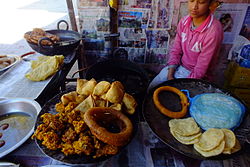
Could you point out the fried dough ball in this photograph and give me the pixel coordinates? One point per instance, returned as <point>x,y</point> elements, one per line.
<point>52,121</point>
<point>69,136</point>
<point>60,107</point>
<point>70,106</point>
<point>40,131</point>
<point>83,145</point>
<point>67,148</point>
<point>79,126</point>
<point>51,140</point>
<point>73,115</point>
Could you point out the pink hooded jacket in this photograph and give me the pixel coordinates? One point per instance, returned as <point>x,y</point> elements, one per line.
<point>197,50</point>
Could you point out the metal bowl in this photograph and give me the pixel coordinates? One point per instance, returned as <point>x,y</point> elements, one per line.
<point>17,121</point>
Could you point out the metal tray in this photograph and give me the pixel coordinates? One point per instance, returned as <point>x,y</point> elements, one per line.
<point>49,107</point>
<point>159,122</point>
<point>17,121</point>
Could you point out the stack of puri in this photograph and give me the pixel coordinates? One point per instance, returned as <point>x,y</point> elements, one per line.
<point>216,141</point>
<point>210,143</point>
<point>185,130</point>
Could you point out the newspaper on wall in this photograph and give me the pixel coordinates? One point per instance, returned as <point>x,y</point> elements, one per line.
<point>128,4</point>
<point>245,29</point>
<point>92,3</point>
<point>231,15</point>
<point>94,20</point>
<point>161,14</point>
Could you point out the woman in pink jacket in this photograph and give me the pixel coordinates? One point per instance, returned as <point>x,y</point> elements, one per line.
<point>196,46</point>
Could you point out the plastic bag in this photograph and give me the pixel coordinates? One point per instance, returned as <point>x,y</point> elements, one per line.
<point>216,110</point>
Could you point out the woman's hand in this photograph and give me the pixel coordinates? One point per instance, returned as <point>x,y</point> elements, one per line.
<point>171,71</point>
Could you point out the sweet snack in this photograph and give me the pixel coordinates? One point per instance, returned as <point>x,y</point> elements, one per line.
<point>216,110</point>
<point>99,119</point>
<point>164,110</point>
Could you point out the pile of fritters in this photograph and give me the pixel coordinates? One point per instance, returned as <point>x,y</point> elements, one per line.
<point>68,132</point>
<point>38,33</point>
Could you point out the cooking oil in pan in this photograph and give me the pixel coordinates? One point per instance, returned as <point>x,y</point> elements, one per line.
<point>13,128</point>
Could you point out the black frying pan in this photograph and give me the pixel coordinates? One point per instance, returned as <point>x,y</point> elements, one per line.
<point>134,78</point>
<point>159,122</point>
<point>69,41</point>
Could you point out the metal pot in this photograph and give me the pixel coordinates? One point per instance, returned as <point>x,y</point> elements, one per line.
<point>69,41</point>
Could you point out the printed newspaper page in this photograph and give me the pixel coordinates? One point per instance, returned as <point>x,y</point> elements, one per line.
<point>231,15</point>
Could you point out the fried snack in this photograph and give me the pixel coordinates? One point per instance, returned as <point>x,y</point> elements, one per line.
<point>86,104</point>
<point>45,69</point>
<point>210,139</point>
<point>86,87</point>
<point>115,93</point>
<point>94,118</point>
<point>129,103</point>
<point>184,127</point>
<point>116,106</point>
<point>99,102</point>
<point>80,84</point>
<point>213,152</point>
<point>37,33</point>
<point>230,141</point>
<point>101,88</point>
<point>68,97</point>
<point>237,147</point>
<point>83,145</point>
<point>51,140</point>
<point>39,61</point>
<point>165,111</point>
<point>71,134</point>
<point>79,126</point>
<point>186,139</point>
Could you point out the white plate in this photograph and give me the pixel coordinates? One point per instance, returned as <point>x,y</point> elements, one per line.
<point>17,59</point>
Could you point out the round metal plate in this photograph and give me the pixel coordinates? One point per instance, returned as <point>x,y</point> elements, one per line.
<point>159,122</point>
<point>49,107</point>
<point>17,121</point>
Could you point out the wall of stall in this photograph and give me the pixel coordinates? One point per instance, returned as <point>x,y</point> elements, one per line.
<point>147,29</point>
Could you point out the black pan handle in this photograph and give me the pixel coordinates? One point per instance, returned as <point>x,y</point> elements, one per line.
<point>62,21</point>
<point>44,38</point>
